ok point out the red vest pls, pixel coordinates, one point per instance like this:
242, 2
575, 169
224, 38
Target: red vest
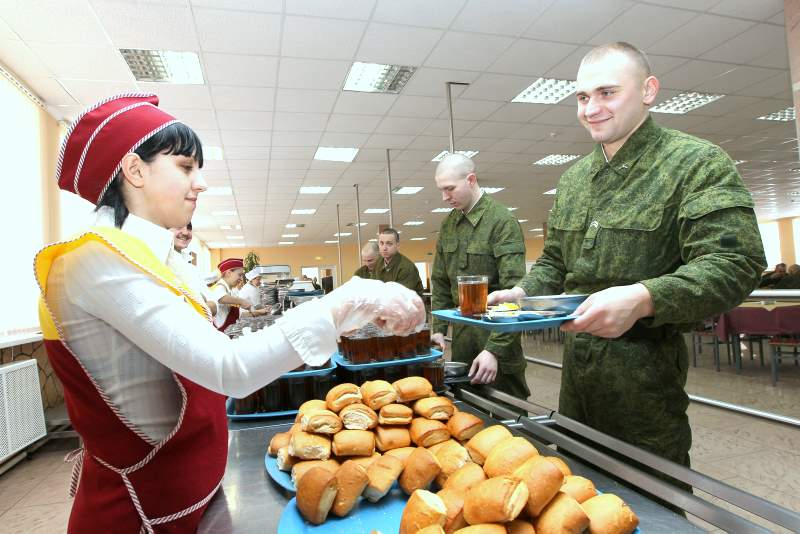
128, 482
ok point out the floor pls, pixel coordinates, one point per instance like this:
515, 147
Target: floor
757, 456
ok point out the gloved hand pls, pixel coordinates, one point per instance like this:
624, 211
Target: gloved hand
505, 295
390, 306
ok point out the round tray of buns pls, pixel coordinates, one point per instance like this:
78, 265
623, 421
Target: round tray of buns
367, 459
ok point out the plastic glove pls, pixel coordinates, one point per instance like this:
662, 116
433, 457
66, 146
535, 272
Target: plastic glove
505, 295
390, 306
438, 339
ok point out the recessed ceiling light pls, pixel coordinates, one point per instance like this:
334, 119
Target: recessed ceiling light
556, 159
550, 192
469, 153
330, 153
406, 190
224, 213
373, 240
413, 223
218, 191
492, 190
546, 91
522, 220
356, 224
739, 161
784, 115
286, 242
539, 235
304, 211
376, 210
513, 209
290, 235
315, 190
163, 66
295, 225
229, 227
235, 237
212, 153
685, 102
418, 239
218, 244
331, 241
342, 234
537, 229
442, 210
377, 77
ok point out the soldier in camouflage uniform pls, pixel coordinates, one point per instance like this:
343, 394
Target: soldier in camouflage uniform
658, 227
369, 261
480, 236
393, 266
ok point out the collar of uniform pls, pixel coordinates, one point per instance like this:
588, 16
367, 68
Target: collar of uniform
474, 215
158, 239
627, 156
387, 266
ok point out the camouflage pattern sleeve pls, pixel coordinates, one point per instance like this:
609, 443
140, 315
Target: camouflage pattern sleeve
546, 277
719, 242
441, 292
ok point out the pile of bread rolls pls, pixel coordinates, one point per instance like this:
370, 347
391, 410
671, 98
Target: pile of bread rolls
360, 440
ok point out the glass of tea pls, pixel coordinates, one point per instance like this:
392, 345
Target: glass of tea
472, 293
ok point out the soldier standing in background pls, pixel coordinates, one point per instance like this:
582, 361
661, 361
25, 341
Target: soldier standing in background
369, 260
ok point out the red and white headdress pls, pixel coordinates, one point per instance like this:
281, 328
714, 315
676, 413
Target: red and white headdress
230, 263
92, 151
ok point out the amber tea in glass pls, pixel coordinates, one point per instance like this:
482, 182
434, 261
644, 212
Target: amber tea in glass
472, 294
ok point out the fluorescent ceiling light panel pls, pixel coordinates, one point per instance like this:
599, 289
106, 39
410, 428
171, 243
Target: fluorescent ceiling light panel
784, 115
315, 190
442, 210
406, 190
295, 225
550, 192
469, 153
414, 223
342, 234
331, 242
224, 213
537, 229
373, 240
522, 220
376, 210
377, 77
286, 242
218, 191
218, 244
304, 211
492, 190
290, 235
212, 153
418, 238
330, 153
546, 91
685, 102
513, 209
356, 224
164, 66
235, 237
556, 159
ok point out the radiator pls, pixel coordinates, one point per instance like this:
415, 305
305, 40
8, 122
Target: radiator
21, 412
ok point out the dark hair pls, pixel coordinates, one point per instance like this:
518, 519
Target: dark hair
391, 231
176, 139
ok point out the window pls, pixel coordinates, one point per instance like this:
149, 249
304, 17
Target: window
422, 267
772, 243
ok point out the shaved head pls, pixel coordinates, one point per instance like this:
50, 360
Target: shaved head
637, 57
370, 248
455, 165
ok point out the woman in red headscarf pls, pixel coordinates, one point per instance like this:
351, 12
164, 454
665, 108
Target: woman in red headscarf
145, 373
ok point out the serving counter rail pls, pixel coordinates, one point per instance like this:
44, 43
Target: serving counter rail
250, 502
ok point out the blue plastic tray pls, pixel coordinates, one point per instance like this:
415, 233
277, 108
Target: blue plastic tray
454, 316
341, 362
281, 478
383, 516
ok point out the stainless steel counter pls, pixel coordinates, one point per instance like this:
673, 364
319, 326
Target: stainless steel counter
250, 502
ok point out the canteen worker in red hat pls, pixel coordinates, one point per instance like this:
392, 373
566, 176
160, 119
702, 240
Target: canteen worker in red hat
145, 373
225, 294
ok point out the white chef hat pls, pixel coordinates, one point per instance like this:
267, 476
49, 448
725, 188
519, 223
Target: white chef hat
252, 274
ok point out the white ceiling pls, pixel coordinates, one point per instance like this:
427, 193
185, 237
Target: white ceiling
274, 71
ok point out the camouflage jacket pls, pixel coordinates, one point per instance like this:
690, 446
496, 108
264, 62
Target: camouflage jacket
363, 272
488, 240
400, 270
670, 211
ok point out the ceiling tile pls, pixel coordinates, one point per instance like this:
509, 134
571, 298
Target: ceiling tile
238, 31
321, 38
298, 73
757, 41
244, 120
384, 141
295, 139
235, 165
294, 153
65, 22
531, 58
500, 87
693, 73
402, 125
179, 96
246, 138
342, 139
159, 27
288, 165
7, 34
398, 45
364, 103
429, 81
231, 69
265, 6
88, 92
338, 9
494, 129
761, 10
209, 137
459, 50
441, 127
593, 17
567, 69
307, 100
418, 106
776, 86
643, 24
437, 14
51, 92
509, 145
17, 56
83, 62
691, 39
517, 112
300, 121
510, 17
242, 98
737, 79
466, 109
353, 123
246, 152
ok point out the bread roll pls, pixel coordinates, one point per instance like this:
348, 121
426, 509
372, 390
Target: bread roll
465, 478
310, 406
279, 440
310, 446
543, 479
422, 510
562, 516
484, 441
395, 414
454, 501
354, 443
285, 460
365, 461
427, 432
391, 437
295, 427
402, 453
507, 455
301, 468
315, 494
452, 456
377, 393
320, 422
431, 529
358, 416
438, 408
340, 396
382, 474
412, 388
483, 528
608, 514
561, 464
463, 425
351, 479
496, 500
420, 469
518, 526
579, 488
